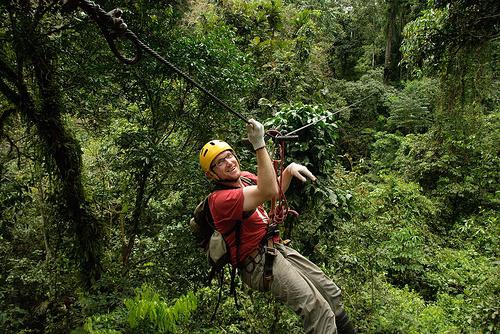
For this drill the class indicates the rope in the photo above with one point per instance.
(185, 76)
(113, 27)
(325, 117)
(279, 207)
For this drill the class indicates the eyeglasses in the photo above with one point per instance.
(223, 160)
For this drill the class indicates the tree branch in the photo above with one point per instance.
(41, 11)
(136, 214)
(8, 72)
(10, 94)
(4, 116)
(13, 145)
(153, 255)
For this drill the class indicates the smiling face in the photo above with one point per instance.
(226, 166)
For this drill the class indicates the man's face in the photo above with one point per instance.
(226, 166)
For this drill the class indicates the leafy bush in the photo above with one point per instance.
(404, 311)
(457, 169)
(411, 109)
(470, 278)
(405, 256)
(147, 312)
(481, 231)
(148, 309)
(316, 145)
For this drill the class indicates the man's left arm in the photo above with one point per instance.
(295, 170)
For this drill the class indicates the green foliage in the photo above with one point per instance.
(212, 56)
(462, 272)
(366, 115)
(458, 168)
(433, 40)
(148, 307)
(403, 311)
(355, 42)
(455, 171)
(417, 36)
(395, 216)
(480, 231)
(405, 254)
(466, 282)
(386, 229)
(281, 39)
(411, 109)
(147, 312)
(404, 215)
(385, 150)
(316, 144)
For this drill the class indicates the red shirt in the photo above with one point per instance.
(226, 207)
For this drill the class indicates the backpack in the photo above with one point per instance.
(207, 237)
(214, 243)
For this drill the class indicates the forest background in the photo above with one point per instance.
(99, 171)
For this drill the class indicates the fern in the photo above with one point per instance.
(147, 312)
(149, 309)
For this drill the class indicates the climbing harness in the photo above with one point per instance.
(279, 206)
(279, 210)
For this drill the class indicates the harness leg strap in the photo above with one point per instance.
(269, 256)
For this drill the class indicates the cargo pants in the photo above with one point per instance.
(301, 285)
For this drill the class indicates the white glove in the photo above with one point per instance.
(299, 171)
(255, 132)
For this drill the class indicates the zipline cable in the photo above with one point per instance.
(112, 27)
(330, 115)
(185, 76)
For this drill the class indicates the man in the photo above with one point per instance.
(268, 265)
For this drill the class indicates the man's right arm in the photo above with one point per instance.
(267, 186)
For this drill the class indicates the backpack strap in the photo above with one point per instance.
(221, 279)
(236, 228)
(246, 180)
(232, 288)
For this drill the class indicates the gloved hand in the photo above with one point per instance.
(300, 171)
(255, 132)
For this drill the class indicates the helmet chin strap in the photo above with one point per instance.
(227, 180)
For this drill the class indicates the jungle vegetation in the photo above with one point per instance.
(99, 172)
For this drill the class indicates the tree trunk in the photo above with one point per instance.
(389, 66)
(65, 151)
(134, 222)
(62, 150)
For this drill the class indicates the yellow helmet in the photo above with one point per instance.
(208, 153)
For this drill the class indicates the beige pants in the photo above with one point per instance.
(300, 284)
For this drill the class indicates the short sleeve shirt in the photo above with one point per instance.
(226, 207)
